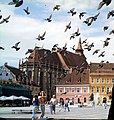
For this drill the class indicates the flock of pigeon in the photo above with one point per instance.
(88, 21)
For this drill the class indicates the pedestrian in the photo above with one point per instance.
(104, 102)
(61, 104)
(67, 105)
(111, 110)
(93, 104)
(53, 103)
(35, 102)
(42, 98)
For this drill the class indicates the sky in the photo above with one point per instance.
(25, 28)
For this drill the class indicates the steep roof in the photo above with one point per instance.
(75, 78)
(14, 70)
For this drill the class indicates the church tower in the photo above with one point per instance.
(79, 49)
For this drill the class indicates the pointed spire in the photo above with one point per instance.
(79, 49)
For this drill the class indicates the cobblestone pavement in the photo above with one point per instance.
(75, 112)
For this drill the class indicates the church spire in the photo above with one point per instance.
(79, 49)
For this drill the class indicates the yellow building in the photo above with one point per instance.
(101, 81)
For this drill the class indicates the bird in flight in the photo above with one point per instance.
(5, 20)
(27, 10)
(68, 26)
(1, 48)
(105, 28)
(17, 3)
(49, 19)
(16, 46)
(111, 13)
(96, 51)
(57, 7)
(102, 54)
(29, 51)
(103, 2)
(111, 32)
(72, 11)
(81, 15)
(64, 93)
(41, 37)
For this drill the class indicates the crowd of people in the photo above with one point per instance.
(39, 103)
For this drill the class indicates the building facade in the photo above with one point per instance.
(44, 67)
(101, 81)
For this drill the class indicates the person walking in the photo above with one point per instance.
(67, 105)
(42, 98)
(35, 102)
(110, 114)
(53, 103)
(104, 102)
(61, 104)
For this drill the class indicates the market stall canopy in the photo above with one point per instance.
(3, 98)
(23, 98)
(13, 97)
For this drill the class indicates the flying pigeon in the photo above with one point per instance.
(41, 37)
(57, 7)
(5, 20)
(17, 3)
(72, 11)
(16, 46)
(68, 26)
(49, 19)
(104, 2)
(27, 11)
(1, 48)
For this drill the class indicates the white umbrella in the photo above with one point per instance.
(13, 97)
(3, 98)
(23, 98)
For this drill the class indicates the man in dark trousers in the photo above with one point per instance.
(111, 110)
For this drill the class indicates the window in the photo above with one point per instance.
(78, 89)
(85, 90)
(67, 89)
(102, 80)
(92, 80)
(107, 80)
(60, 89)
(97, 80)
(102, 89)
(98, 90)
(92, 90)
(113, 80)
(72, 89)
(108, 89)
